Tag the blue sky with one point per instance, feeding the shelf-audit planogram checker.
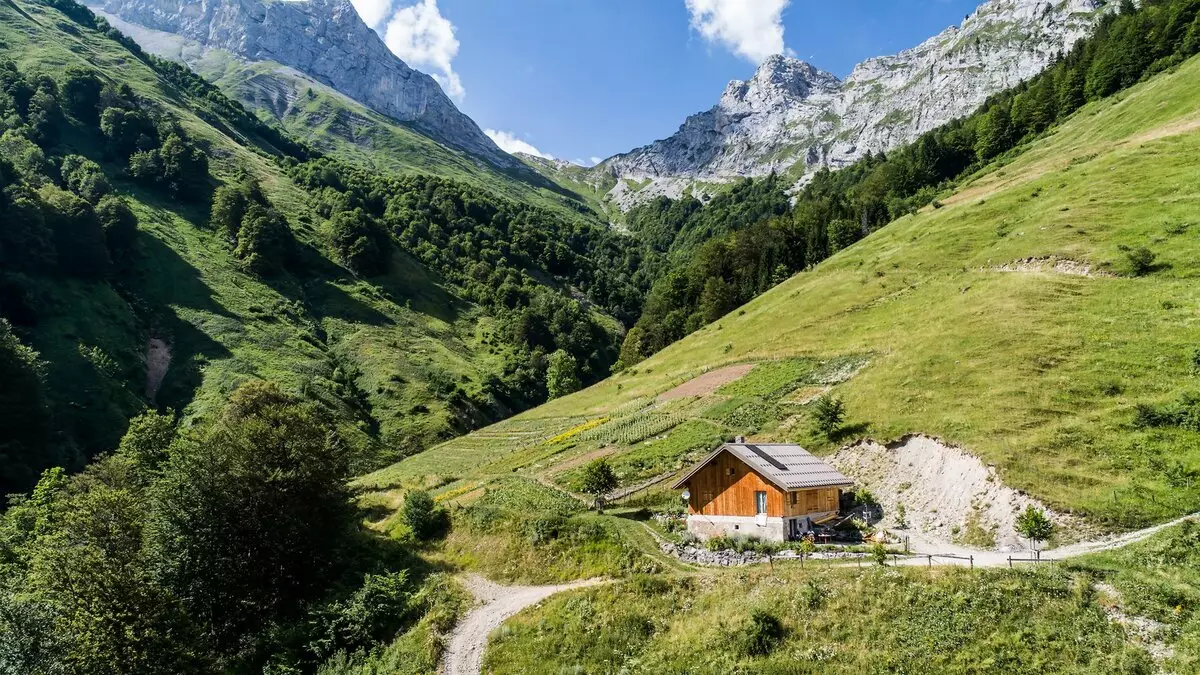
(585, 79)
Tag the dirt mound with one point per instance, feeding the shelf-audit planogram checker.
(708, 382)
(948, 494)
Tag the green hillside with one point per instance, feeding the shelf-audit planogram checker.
(1072, 373)
(791, 620)
(344, 128)
(192, 305)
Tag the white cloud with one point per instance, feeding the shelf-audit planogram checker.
(597, 160)
(373, 12)
(424, 39)
(753, 29)
(509, 143)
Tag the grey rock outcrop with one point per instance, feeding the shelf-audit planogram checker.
(327, 41)
(791, 113)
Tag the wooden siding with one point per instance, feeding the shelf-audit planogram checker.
(815, 500)
(716, 491)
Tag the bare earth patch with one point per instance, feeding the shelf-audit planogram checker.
(158, 359)
(464, 649)
(943, 489)
(708, 382)
(1055, 265)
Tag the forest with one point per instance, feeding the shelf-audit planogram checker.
(758, 239)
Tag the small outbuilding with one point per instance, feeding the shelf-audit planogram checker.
(769, 490)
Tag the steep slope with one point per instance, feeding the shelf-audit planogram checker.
(192, 306)
(334, 122)
(793, 116)
(327, 41)
(1018, 319)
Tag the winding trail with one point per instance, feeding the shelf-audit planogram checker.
(464, 651)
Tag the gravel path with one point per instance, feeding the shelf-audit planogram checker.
(464, 651)
(1000, 558)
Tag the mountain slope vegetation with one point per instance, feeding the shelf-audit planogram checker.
(162, 245)
(748, 240)
(344, 128)
(1041, 316)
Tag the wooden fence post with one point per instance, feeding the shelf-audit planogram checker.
(930, 561)
(972, 562)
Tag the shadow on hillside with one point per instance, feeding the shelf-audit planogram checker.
(162, 277)
(161, 282)
(410, 284)
(850, 431)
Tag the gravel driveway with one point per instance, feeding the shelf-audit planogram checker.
(464, 651)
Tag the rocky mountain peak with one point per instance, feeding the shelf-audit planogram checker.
(779, 80)
(325, 40)
(792, 116)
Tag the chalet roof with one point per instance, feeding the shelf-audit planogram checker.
(789, 467)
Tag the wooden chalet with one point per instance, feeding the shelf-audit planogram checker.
(772, 491)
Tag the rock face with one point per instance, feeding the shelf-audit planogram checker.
(327, 41)
(791, 113)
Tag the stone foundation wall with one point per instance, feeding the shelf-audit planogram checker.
(707, 527)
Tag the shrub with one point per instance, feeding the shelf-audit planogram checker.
(375, 612)
(598, 478)
(828, 413)
(264, 242)
(360, 242)
(720, 543)
(423, 517)
(1141, 261)
(760, 635)
(85, 178)
(119, 224)
(879, 553)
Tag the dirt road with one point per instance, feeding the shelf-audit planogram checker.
(998, 558)
(464, 652)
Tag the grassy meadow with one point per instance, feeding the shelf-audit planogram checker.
(1037, 371)
(1058, 618)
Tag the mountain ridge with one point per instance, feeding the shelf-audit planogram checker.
(761, 125)
(327, 41)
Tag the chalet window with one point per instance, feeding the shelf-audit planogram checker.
(760, 502)
(795, 496)
(732, 471)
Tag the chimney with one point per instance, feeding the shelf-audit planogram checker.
(739, 440)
